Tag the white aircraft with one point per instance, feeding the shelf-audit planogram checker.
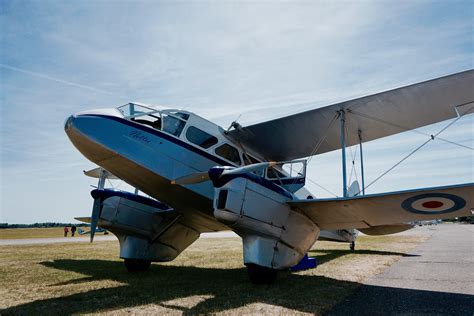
(202, 178)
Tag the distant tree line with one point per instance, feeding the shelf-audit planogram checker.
(41, 225)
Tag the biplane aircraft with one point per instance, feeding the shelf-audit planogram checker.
(199, 177)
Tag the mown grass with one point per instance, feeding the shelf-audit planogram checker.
(23, 233)
(208, 277)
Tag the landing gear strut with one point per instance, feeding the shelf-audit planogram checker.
(352, 246)
(137, 265)
(261, 275)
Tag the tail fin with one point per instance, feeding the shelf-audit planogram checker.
(354, 189)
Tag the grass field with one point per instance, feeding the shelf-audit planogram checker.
(23, 233)
(208, 277)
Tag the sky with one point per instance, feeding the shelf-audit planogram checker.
(223, 60)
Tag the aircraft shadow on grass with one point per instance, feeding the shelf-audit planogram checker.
(229, 288)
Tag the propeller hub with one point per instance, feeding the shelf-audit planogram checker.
(215, 174)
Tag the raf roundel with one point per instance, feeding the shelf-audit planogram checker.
(433, 203)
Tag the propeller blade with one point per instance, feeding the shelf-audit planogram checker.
(193, 178)
(250, 168)
(95, 217)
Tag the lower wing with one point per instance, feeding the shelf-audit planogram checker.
(389, 208)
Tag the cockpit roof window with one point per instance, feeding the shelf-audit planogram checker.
(200, 138)
(181, 115)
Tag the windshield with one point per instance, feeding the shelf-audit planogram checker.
(169, 121)
(132, 110)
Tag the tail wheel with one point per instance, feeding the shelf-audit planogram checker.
(137, 265)
(261, 275)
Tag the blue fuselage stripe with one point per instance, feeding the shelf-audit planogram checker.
(166, 136)
(262, 181)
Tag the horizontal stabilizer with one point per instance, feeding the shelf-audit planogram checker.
(95, 173)
(83, 219)
(389, 208)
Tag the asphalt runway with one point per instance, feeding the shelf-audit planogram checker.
(31, 241)
(438, 279)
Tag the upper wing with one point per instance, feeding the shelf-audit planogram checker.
(375, 116)
(389, 208)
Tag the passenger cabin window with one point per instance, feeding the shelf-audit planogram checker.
(173, 125)
(200, 138)
(228, 152)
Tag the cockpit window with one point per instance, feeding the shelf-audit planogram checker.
(228, 152)
(200, 138)
(172, 125)
(169, 121)
(132, 110)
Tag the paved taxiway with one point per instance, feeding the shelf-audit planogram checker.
(438, 278)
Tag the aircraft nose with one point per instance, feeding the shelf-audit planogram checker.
(77, 120)
(69, 123)
(90, 132)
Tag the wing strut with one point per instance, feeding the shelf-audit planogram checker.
(361, 162)
(342, 118)
(97, 203)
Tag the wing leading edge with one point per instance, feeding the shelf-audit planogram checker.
(375, 116)
(389, 208)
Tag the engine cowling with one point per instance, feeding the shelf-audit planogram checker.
(274, 235)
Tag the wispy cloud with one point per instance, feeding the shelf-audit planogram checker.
(44, 76)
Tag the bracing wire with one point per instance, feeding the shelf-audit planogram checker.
(110, 182)
(316, 148)
(408, 129)
(320, 186)
(322, 139)
(353, 158)
(432, 137)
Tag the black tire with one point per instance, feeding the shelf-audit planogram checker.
(137, 265)
(261, 275)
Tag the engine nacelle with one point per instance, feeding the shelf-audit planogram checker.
(146, 228)
(274, 235)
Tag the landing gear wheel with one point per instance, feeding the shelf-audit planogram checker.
(137, 265)
(353, 246)
(261, 275)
